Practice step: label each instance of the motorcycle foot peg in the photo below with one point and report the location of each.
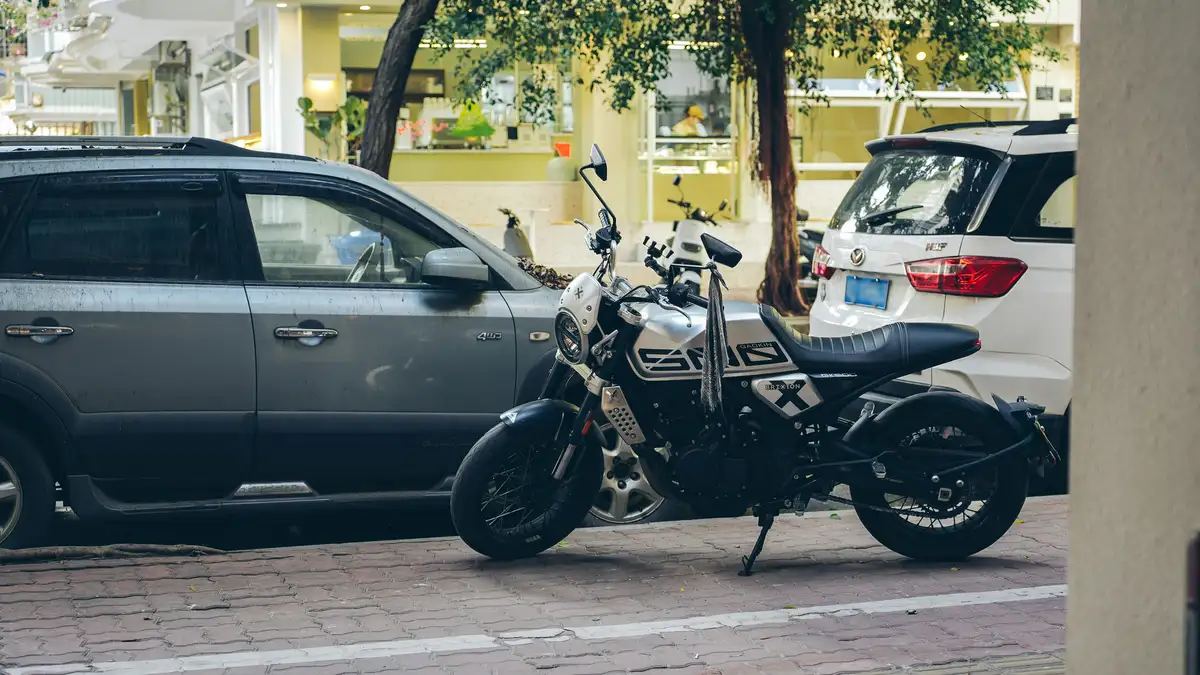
(879, 470)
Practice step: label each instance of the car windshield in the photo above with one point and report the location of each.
(916, 192)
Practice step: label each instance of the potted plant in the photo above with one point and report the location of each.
(336, 129)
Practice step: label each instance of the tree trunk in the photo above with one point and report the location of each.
(767, 25)
(387, 94)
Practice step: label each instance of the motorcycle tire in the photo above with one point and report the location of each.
(566, 508)
(930, 544)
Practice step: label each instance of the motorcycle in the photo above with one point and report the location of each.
(687, 237)
(727, 409)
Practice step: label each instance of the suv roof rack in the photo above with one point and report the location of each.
(1031, 127)
(188, 145)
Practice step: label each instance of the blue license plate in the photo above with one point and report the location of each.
(867, 291)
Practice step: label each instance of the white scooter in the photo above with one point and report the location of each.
(688, 248)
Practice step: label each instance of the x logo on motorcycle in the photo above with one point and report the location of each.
(788, 396)
(578, 293)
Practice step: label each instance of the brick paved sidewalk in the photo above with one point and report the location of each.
(826, 599)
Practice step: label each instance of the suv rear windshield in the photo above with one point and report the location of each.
(940, 188)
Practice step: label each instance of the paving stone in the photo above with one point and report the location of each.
(352, 594)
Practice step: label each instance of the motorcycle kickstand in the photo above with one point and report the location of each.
(765, 520)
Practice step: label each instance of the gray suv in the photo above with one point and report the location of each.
(196, 328)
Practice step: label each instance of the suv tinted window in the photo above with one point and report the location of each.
(928, 192)
(1048, 213)
(78, 228)
(12, 193)
(322, 240)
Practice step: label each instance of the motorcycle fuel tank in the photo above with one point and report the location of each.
(671, 345)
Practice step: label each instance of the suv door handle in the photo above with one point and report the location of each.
(298, 333)
(38, 331)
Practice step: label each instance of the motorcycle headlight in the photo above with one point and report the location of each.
(572, 340)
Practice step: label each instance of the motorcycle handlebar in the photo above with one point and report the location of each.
(697, 300)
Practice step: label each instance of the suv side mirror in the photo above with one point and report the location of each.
(454, 266)
(599, 165)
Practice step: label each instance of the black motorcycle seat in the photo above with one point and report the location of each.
(899, 348)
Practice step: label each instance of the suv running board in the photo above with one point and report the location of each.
(89, 502)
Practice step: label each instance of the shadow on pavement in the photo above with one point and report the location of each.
(238, 534)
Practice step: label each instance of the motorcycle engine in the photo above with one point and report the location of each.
(707, 470)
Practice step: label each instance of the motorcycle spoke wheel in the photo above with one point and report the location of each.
(945, 517)
(518, 493)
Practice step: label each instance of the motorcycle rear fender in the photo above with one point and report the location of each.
(547, 417)
(950, 399)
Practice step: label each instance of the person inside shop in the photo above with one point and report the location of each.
(692, 124)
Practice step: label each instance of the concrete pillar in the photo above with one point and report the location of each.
(321, 61)
(1135, 469)
(195, 109)
(282, 80)
(617, 134)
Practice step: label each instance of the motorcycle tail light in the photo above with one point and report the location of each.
(971, 276)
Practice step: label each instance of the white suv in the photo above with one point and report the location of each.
(968, 224)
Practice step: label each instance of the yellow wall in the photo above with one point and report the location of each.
(703, 190)
(837, 134)
(320, 54)
(496, 165)
(254, 90)
(141, 112)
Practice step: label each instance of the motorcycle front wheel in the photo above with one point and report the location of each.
(506, 505)
(930, 531)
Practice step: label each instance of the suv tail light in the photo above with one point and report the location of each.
(820, 263)
(972, 276)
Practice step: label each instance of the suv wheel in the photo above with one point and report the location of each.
(625, 495)
(26, 491)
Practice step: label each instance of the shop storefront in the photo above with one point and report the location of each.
(470, 162)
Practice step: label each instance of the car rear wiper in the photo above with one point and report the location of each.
(888, 214)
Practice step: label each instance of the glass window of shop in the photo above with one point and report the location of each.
(434, 120)
(441, 139)
(688, 132)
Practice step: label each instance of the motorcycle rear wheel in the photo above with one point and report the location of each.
(1000, 489)
(506, 505)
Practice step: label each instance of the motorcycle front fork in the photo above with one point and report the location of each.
(579, 430)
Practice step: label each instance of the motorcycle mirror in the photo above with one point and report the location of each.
(802, 215)
(599, 165)
(720, 252)
(676, 181)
